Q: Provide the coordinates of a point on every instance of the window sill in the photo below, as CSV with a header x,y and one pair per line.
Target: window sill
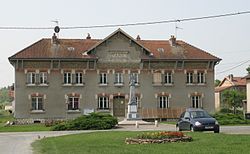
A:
x,y
168,84
67,85
37,111
190,84
43,85
119,84
201,84
103,110
103,84
80,84
74,111
30,85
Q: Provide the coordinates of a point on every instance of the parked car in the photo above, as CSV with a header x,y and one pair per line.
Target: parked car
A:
x,y
194,119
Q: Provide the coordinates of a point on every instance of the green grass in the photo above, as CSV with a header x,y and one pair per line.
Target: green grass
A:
x,y
6,116
113,143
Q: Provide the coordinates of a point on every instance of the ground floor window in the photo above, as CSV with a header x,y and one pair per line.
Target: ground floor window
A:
x,y
196,101
103,103
73,103
37,103
163,102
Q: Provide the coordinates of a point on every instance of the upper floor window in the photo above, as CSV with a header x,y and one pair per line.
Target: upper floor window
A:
x,y
157,78
163,102
201,77
196,101
67,78
36,103
31,78
118,78
79,78
73,103
103,103
168,78
189,77
103,78
43,77
136,75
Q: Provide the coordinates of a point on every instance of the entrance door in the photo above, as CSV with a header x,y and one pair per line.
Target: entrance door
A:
x,y
119,106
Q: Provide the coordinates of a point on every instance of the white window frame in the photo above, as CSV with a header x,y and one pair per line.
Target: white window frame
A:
x,y
36,103
103,78
201,78
196,101
43,78
168,78
136,78
163,101
31,78
79,78
68,77
190,77
73,103
118,78
103,103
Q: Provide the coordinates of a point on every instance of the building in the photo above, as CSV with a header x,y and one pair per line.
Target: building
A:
x,y
64,78
228,83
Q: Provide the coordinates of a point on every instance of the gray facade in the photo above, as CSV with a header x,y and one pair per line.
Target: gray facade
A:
x,y
161,83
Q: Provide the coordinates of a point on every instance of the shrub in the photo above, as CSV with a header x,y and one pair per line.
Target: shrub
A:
x,y
94,121
230,119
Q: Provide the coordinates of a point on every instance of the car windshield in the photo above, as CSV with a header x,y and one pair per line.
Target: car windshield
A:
x,y
199,114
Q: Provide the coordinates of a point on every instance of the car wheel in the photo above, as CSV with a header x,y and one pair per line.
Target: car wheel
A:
x,y
216,130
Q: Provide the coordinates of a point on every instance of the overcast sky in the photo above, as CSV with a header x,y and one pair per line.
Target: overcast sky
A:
x,y
227,38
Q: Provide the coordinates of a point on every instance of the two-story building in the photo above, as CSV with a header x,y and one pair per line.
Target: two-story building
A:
x,y
65,78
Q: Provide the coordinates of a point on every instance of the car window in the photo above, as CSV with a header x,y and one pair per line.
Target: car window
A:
x,y
199,114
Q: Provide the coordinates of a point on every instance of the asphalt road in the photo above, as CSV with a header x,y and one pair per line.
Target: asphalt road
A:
x,y
20,142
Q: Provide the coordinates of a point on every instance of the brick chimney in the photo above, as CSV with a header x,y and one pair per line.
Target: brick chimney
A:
x,y
88,36
172,40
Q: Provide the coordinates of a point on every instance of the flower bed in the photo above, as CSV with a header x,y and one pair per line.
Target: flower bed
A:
x,y
159,137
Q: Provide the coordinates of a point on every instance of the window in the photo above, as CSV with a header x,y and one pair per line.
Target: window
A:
x,y
163,102
37,103
196,101
79,78
168,78
103,78
43,77
73,103
201,77
31,78
67,78
118,78
136,75
103,103
157,78
189,77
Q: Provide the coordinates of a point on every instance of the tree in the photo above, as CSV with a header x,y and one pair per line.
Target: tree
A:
x,y
233,99
217,82
248,69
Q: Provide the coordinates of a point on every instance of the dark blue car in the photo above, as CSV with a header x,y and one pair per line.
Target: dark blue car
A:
x,y
197,120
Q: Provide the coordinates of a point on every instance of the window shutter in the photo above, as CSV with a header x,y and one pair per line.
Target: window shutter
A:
x,y
157,78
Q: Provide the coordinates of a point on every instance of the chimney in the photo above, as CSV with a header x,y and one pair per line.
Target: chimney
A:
x,y
172,40
138,37
55,40
88,37
230,76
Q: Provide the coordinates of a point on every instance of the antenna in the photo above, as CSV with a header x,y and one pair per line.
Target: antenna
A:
x,y
56,29
176,27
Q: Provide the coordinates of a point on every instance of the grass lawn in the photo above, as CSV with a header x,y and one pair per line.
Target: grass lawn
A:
x,y
5,116
113,143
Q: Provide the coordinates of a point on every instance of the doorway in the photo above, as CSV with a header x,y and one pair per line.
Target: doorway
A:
x,y
119,106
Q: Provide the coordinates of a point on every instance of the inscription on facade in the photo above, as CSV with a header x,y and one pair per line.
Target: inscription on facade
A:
x,y
119,55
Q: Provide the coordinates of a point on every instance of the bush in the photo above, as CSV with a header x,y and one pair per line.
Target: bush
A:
x,y
230,119
94,121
